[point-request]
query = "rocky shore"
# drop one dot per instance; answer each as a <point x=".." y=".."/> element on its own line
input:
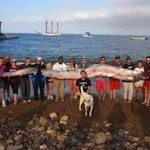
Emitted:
<point x="59" y="125"/>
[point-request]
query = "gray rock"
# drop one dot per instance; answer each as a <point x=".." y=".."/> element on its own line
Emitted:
<point x="9" y="141"/>
<point x="14" y="147"/>
<point x="41" y="129"/>
<point x="135" y="139"/>
<point x="14" y="124"/>
<point x="18" y="137"/>
<point x="121" y="132"/>
<point x="43" y="121"/>
<point x="108" y="136"/>
<point x="30" y="123"/>
<point x="1" y="137"/>
<point x="139" y="148"/>
<point x="100" y="138"/>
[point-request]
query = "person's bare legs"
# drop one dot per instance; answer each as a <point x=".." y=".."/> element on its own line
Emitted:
<point x="15" y="98"/>
<point x="146" y="95"/>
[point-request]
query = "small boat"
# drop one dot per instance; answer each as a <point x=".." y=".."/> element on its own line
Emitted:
<point x="139" y="38"/>
<point x="87" y="35"/>
<point x="5" y="36"/>
<point x="46" y="33"/>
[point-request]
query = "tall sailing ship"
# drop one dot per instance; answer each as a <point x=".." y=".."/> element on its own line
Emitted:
<point x="52" y="33"/>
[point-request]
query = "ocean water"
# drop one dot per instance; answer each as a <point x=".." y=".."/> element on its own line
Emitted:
<point x="50" y="48"/>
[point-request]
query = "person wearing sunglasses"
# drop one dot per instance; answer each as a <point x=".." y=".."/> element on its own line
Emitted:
<point x="14" y="81"/>
<point x="72" y="66"/>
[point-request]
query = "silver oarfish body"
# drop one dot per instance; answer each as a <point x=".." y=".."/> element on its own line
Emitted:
<point x="92" y="71"/>
<point x="20" y="72"/>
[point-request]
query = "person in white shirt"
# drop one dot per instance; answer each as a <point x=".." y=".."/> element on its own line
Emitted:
<point x="140" y="83"/>
<point x="59" y="83"/>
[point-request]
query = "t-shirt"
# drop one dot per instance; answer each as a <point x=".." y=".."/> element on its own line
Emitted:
<point x="84" y="83"/>
<point x="60" y="67"/>
<point x="128" y="67"/>
<point x="23" y="66"/>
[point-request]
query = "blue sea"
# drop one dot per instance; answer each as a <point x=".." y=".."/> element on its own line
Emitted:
<point x="50" y="48"/>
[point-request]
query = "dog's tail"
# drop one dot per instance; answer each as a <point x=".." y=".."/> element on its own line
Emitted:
<point x="82" y="91"/>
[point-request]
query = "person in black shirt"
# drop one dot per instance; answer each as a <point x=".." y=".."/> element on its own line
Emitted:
<point x="128" y="85"/>
<point x="84" y="82"/>
<point x="25" y="81"/>
<point x="38" y="79"/>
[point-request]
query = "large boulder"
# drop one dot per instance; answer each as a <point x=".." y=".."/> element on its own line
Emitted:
<point x="100" y="138"/>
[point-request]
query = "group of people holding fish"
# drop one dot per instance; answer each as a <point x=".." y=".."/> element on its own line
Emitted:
<point x="103" y="84"/>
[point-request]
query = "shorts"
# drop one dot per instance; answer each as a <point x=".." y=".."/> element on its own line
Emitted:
<point x="101" y="85"/>
<point x="147" y="84"/>
<point x="139" y="83"/>
<point x="1" y="84"/>
<point x="114" y="84"/>
<point x="15" y="85"/>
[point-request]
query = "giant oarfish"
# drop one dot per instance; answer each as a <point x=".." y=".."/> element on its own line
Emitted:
<point x="92" y="71"/>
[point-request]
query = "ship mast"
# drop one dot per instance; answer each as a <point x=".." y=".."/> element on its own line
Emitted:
<point x="46" y="23"/>
<point x="0" y="27"/>
<point x="57" y="27"/>
<point x="51" y="26"/>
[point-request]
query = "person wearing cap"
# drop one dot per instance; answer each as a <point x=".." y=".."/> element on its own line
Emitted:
<point x="101" y="82"/>
<point x="114" y="84"/>
<point x="128" y="86"/>
<point x="139" y="83"/>
<point x="59" y="83"/>
<point x="25" y="81"/>
<point x="2" y="70"/>
<point x="38" y="79"/>
<point x="14" y="81"/>
<point x="147" y="82"/>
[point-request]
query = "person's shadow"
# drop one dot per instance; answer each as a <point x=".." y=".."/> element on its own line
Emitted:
<point x="117" y="117"/>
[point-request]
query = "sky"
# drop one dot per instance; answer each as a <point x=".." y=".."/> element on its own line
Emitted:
<point x="77" y="16"/>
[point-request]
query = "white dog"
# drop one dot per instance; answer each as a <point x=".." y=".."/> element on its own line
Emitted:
<point x="87" y="100"/>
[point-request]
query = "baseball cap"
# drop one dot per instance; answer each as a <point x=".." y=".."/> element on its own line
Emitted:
<point x="39" y="58"/>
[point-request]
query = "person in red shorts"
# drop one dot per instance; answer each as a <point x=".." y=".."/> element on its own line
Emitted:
<point x="114" y="84"/>
<point x="147" y="82"/>
<point x="101" y="82"/>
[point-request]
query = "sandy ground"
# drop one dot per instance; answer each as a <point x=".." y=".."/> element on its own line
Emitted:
<point x="133" y="117"/>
